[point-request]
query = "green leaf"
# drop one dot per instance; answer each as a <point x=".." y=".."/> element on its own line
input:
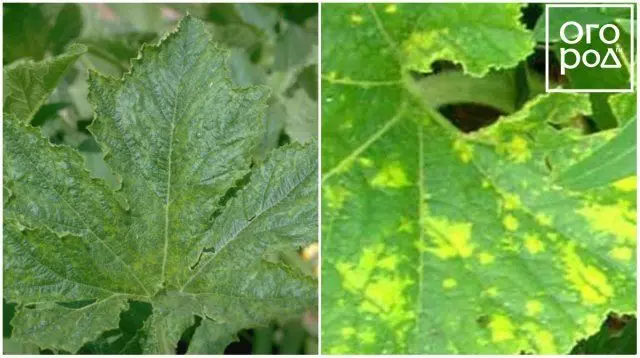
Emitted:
<point x="611" y="339"/>
<point x="27" y="84"/>
<point x="293" y="48"/>
<point x="611" y="162"/>
<point x="302" y="117"/>
<point x="25" y="32"/>
<point x="115" y="51"/>
<point x="436" y="241"/>
<point x="188" y="228"/>
<point x="140" y="17"/>
<point x="67" y="26"/>
<point x="47" y="112"/>
<point x="33" y="30"/>
<point x="260" y="16"/>
<point x="11" y="346"/>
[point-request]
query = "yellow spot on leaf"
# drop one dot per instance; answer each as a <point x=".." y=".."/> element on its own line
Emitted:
<point x="451" y="239"/>
<point x="367" y="335"/>
<point x="486" y="184"/>
<point x="405" y="225"/>
<point x="356" y="19"/>
<point x="542" y="338"/>
<point x="389" y="262"/>
<point x="518" y="150"/>
<point x="464" y="150"/>
<point x="347" y="332"/>
<point x="588" y="280"/>
<point x="382" y="288"/>
<point x="340" y="349"/>
<point x="533" y="244"/>
<point x="627" y="184"/>
<point x="622" y="253"/>
<point x="543" y="219"/>
<point x="534" y="307"/>
<point x="545" y="342"/>
<point x="502" y="328"/>
<point x="391" y="9"/>
<point x="391" y="176"/>
<point x="612" y="219"/>
<point x="486" y="258"/>
<point x="335" y="196"/>
<point x="510" y="222"/>
<point x="490" y="292"/>
<point x="592" y="323"/>
<point x="511" y="202"/>
<point x="365" y="162"/>
<point x="385" y="296"/>
<point x="449" y="283"/>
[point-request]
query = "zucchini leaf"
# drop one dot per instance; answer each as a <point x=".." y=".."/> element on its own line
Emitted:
<point x="190" y="224"/>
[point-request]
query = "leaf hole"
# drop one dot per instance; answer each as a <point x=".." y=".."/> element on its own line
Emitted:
<point x="443" y="65"/>
<point x="470" y="117"/>
<point x="206" y="250"/>
<point x="126" y="338"/>
<point x="230" y="193"/>
<point x="187" y="335"/>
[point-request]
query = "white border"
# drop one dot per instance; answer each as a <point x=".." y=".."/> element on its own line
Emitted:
<point x="632" y="66"/>
<point x="319" y="143"/>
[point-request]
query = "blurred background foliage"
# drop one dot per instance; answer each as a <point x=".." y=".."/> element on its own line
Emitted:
<point x="270" y="44"/>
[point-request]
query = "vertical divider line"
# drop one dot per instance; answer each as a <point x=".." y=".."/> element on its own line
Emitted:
<point x="319" y="102"/>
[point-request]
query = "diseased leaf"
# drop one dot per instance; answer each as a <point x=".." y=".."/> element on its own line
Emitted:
<point x="189" y="226"/>
<point x="436" y="241"/>
<point x="477" y="37"/>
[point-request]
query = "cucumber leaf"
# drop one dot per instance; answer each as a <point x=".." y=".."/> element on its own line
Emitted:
<point x="440" y="242"/>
